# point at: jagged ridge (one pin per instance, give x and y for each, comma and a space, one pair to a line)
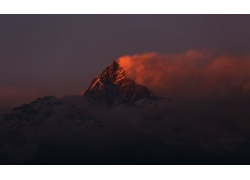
30, 114
113, 87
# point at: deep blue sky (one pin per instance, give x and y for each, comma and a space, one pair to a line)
61, 54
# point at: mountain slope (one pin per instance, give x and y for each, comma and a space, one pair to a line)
48, 111
71, 130
113, 87
29, 115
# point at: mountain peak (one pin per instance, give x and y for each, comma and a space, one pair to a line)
114, 63
113, 87
113, 73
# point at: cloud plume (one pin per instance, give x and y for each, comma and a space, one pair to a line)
195, 73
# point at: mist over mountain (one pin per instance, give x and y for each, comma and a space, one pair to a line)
117, 121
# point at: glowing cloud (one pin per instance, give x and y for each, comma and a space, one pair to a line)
193, 73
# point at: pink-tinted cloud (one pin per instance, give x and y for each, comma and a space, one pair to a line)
193, 73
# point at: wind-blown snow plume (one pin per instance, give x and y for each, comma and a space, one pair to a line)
194, 73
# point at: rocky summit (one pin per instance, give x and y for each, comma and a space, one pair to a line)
113, 87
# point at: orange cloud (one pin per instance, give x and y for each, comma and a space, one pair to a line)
189, 74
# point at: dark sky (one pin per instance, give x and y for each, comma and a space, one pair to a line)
60, 54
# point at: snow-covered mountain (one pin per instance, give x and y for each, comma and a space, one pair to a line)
49, 111
136, 127
113, 87
29, 115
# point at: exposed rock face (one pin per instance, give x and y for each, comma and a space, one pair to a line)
113, 87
